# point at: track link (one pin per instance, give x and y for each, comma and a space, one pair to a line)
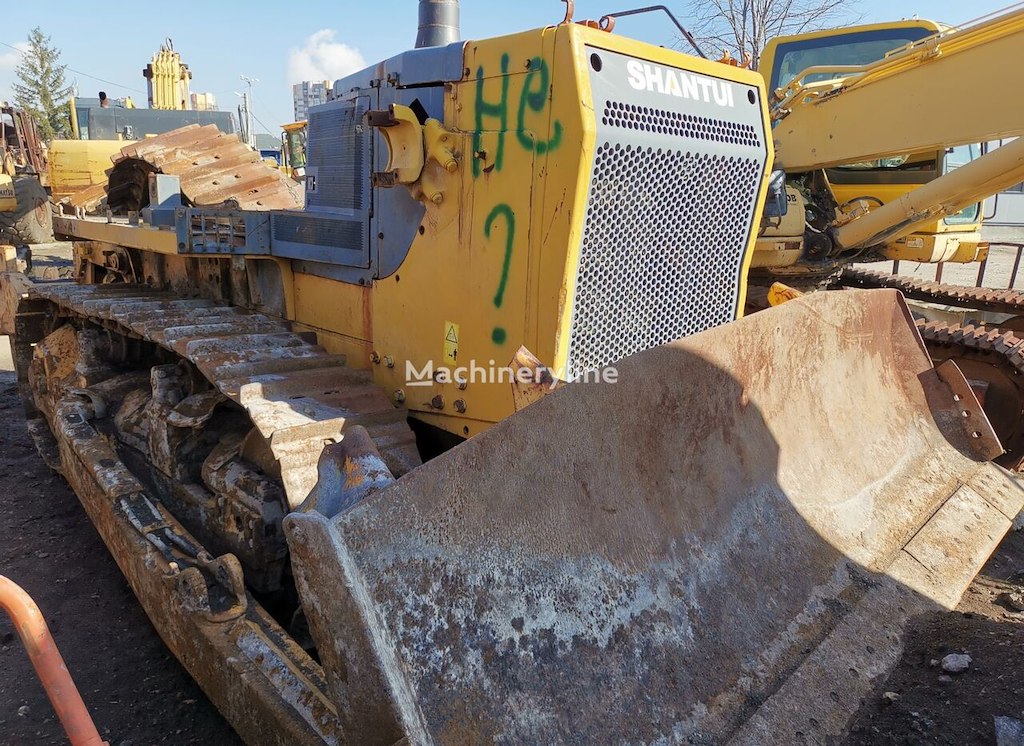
297, 395
963, 296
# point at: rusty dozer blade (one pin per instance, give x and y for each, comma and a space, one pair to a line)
724, 545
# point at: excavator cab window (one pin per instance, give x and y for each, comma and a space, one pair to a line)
954, 158
855, 48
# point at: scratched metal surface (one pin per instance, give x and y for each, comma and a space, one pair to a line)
654, 559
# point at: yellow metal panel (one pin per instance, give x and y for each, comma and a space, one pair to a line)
120, 234
8, 199
498, 258
962, 247
339, 307
78, 164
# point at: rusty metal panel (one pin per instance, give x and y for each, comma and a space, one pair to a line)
683, 554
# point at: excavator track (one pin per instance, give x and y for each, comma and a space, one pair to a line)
296, 394
992, 358
963, 296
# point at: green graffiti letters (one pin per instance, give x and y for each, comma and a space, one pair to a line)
488, 109
535, 97
502, 211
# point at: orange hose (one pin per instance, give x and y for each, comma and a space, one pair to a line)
49, 665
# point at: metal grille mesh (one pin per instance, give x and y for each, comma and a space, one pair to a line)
662, 250
337, 148
678, 124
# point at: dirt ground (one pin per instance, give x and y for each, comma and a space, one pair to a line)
922, 704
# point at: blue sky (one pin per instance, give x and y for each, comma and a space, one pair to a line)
279, 41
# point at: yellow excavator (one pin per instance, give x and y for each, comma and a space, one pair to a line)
355, 521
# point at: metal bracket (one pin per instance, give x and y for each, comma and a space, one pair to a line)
404, 135
983, 438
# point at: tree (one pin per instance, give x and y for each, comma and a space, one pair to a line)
43, 91
742, 27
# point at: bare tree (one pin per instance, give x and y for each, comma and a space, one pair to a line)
742, 27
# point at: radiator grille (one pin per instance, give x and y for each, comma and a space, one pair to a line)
339, 149
662, 250
678, 124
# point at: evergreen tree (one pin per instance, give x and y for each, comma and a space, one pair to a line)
43, 91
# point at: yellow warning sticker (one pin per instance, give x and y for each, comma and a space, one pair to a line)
451, 342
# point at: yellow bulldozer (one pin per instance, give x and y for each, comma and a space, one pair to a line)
476, 446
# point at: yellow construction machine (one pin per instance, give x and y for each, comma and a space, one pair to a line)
293, 148
24, 203
355, 521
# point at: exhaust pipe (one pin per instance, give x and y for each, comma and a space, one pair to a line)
439, 23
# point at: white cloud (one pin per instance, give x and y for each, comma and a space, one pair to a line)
322, 58
9, 58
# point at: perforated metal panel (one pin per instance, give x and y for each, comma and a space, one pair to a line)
338, 148
669, 213
678, 124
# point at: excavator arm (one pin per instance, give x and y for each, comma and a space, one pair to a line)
897, 106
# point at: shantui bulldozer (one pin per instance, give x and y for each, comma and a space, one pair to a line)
355, 521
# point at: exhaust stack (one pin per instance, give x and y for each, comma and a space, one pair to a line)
439, 23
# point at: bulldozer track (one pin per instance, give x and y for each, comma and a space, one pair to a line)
212, 167
982, 299
297, 395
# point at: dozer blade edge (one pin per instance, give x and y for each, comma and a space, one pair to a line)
723, 545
